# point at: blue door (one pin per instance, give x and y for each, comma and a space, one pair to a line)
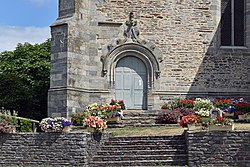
131, 82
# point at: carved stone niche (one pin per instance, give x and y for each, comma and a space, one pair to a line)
215, 112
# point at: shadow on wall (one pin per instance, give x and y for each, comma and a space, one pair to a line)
224, 72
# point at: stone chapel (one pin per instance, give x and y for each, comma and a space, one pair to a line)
148, 51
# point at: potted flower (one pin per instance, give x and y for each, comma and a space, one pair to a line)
58, 124
77, 118
94, 124
221, 123
118, 103
7, 123
186, 103
167, 116
202, 107
243, 109
114, 110
226, 106
191, 122
113, 113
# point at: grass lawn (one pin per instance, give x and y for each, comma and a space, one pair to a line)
157, 131
161, 130
146, 131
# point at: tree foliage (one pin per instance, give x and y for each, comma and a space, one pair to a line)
24, 79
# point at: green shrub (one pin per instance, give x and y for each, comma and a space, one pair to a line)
25, 126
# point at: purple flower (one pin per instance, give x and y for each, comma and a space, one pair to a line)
66, 123
231, 109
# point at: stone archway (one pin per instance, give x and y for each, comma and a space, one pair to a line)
147, 55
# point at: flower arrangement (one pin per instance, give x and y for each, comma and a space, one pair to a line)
203, 112
174, 104
202, 107
118, 103
112, 111
189, 119
7, 124
95, 122
205, 122
77, 118
187, 111
7, 121
243, 107
54, 124
168, 116
186, 103
226, 105
171, 105
94, 109
221, 104
104, 111
220, 121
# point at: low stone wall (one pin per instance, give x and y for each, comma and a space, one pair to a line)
219, 148
49, 149
76, 149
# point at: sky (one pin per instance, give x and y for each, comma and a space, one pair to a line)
25, 21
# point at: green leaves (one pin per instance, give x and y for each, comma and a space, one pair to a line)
24, 79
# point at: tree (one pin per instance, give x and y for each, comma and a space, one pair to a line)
24, 79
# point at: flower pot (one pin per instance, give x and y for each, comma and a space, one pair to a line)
66, 129
113, 119
227, 114
9, 130
192, 127
53, 130
50, 130
221, 128
244, 117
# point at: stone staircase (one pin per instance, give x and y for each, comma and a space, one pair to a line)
142, 151
138, 118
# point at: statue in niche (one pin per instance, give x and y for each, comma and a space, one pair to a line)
131, 33
215, 112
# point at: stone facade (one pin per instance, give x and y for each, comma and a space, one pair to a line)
178, 40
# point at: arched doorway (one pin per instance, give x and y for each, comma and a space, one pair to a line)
131, 82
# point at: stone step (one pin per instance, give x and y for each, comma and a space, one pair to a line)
143, 114
144, 142
133, 121
136, 113
147, 138
142, 147
162, 162
138, 118
143, 152
139, 157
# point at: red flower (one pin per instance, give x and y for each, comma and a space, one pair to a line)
189, 119
219, 119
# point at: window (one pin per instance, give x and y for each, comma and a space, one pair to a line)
232, 22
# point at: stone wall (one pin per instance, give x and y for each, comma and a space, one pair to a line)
218, 148
49, 149
77, 149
